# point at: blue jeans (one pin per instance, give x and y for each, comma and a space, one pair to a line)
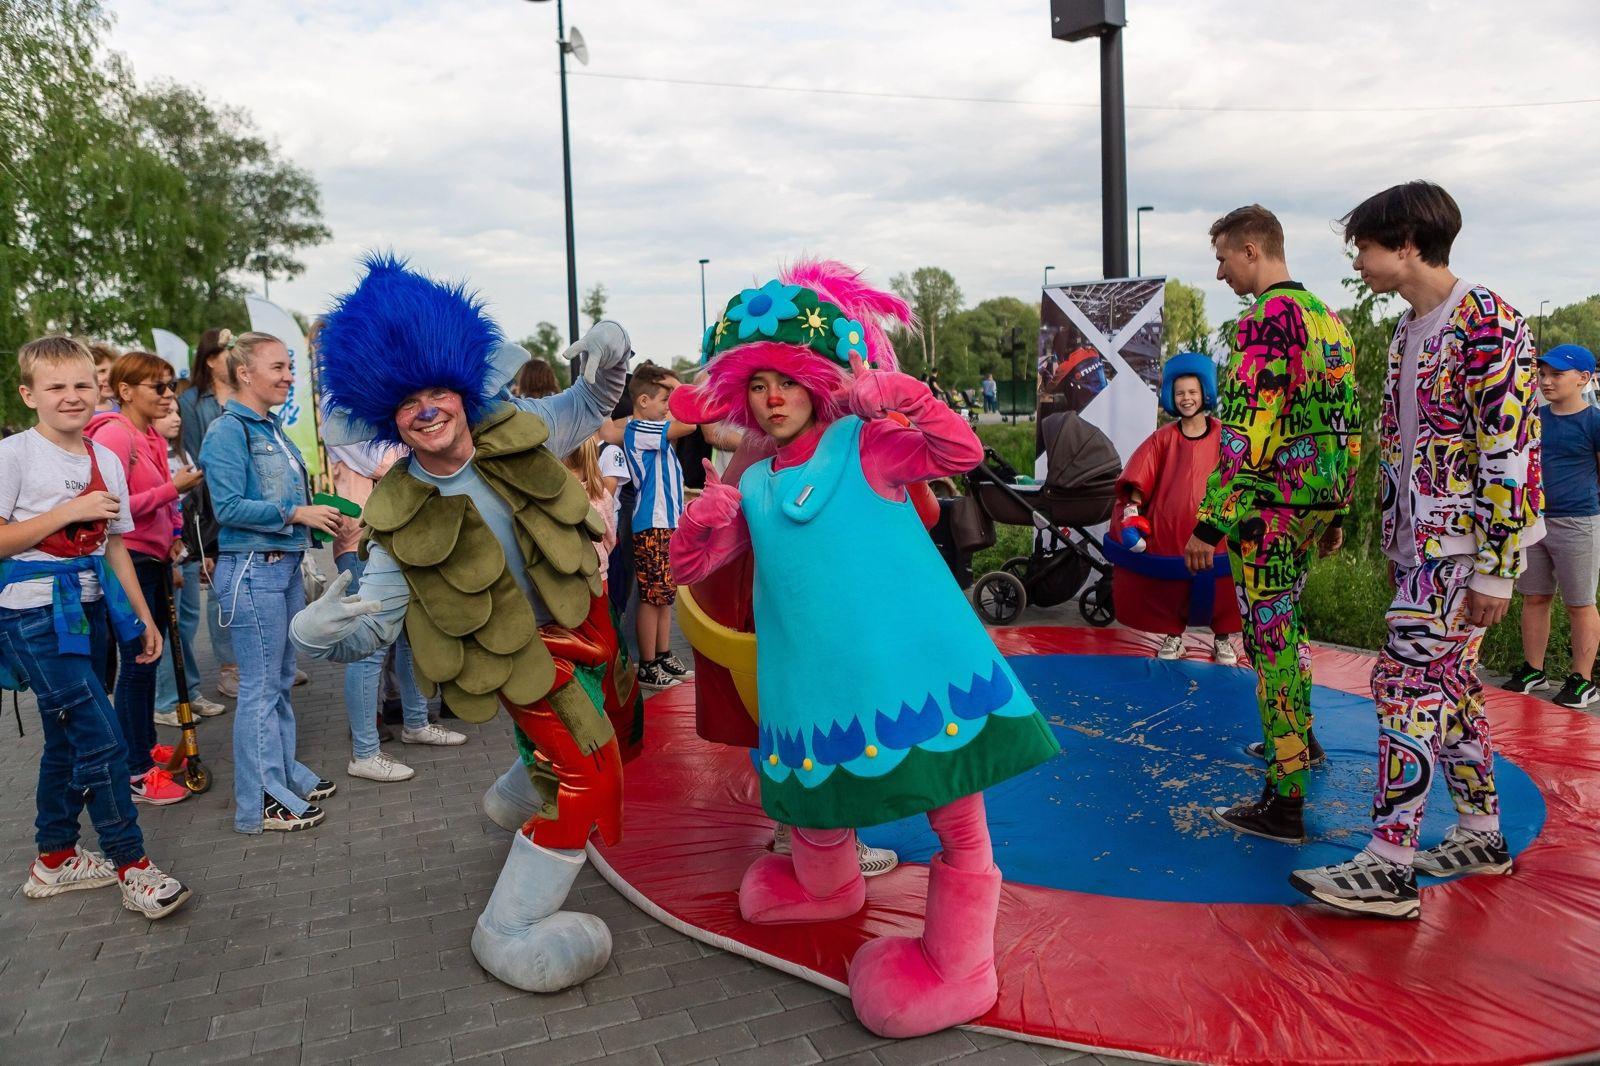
363, 680
135, 695
188, 625
83, 763
258, 599
221, 639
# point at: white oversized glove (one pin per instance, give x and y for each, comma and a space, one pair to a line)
332, 616
604, 348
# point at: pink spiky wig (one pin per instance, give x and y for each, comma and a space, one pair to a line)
788, 326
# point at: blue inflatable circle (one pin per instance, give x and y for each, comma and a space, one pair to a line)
1147, 746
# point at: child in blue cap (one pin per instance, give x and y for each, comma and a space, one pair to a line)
1568, 558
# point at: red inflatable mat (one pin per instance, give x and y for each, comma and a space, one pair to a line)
1498, 970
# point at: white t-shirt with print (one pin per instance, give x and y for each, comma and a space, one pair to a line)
614, 464
37, 476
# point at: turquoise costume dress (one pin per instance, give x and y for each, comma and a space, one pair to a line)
881, 694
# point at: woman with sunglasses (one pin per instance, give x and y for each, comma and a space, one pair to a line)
142, 384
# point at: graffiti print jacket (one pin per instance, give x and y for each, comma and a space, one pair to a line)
1291, 426
1474, 476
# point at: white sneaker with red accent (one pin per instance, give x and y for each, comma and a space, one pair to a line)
148, 891
157, 788
86, 869
434, 734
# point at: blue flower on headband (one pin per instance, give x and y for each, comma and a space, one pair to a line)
852, 338
760, 310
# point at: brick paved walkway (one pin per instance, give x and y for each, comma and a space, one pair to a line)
350, 941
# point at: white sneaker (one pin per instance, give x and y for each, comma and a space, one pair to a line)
167, 718
301, 677
206, 708
228, 682
1224, 653
431, 733
148, 891
1171, 648
86, 869
380, 767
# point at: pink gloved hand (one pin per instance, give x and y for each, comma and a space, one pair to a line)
719, 502
877, 394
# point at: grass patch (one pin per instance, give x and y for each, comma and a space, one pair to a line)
1008, 541
1013, 441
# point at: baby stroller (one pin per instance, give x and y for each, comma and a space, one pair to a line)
1080, 484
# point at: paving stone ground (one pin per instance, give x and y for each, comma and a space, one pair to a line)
349, 942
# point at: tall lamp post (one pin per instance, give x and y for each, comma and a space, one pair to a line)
1538, 337
1138, 240
1077, 20
1047, 270
703, 322
576, 46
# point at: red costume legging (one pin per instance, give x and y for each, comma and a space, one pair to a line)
588, 787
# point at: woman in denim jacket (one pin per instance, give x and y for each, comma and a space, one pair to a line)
260, 496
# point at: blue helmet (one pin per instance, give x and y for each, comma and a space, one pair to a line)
1186, 364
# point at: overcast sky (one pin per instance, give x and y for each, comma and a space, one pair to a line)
433, 127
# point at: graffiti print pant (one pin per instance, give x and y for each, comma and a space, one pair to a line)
1270, 552
1430, 703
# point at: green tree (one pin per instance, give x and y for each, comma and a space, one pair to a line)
594, 303
934, 296
972, 339
1183, 320
1371, 321
1577, 323
545, 343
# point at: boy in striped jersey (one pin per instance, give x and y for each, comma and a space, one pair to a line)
658, 503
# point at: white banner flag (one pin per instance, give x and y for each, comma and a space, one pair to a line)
174, 349
299, 420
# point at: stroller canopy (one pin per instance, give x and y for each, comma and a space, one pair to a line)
1078, 456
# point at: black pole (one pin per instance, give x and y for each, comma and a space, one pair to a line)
566, 170
1113, 157
703, 322
1138, 244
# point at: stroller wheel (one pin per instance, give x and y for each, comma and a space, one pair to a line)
999, 598
1017, 566
1095, 604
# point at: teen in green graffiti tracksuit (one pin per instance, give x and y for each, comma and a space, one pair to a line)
1290, 438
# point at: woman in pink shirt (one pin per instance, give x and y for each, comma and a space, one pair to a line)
142, 384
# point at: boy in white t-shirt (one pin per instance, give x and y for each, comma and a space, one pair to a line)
63, 510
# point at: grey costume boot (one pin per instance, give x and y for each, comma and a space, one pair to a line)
524, 938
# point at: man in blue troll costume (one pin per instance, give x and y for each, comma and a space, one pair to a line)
481, 545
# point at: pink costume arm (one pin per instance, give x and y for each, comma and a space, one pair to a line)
711, 534
937, 443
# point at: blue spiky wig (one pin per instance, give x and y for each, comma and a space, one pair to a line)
397, 332
1189, 364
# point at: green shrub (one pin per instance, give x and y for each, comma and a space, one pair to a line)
1013, 441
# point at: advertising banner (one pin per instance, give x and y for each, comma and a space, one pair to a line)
299, 411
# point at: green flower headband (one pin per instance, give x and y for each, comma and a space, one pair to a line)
787, 314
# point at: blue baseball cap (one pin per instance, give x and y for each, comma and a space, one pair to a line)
1569, 357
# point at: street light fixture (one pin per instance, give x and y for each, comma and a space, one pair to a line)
1138, 240
575, 44
1047, 275
1078, 20
703, 322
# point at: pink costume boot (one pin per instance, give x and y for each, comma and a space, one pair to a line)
819, 882
911, 986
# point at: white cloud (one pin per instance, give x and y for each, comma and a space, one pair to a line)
434, 128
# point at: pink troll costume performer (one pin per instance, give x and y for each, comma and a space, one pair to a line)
881, 695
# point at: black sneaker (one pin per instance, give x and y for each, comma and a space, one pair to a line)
653, 675
275, 817
1526, 679
1368, 884
1273, 816
1466, 851
1577, 692
674, 666
323, 790
1258, 750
